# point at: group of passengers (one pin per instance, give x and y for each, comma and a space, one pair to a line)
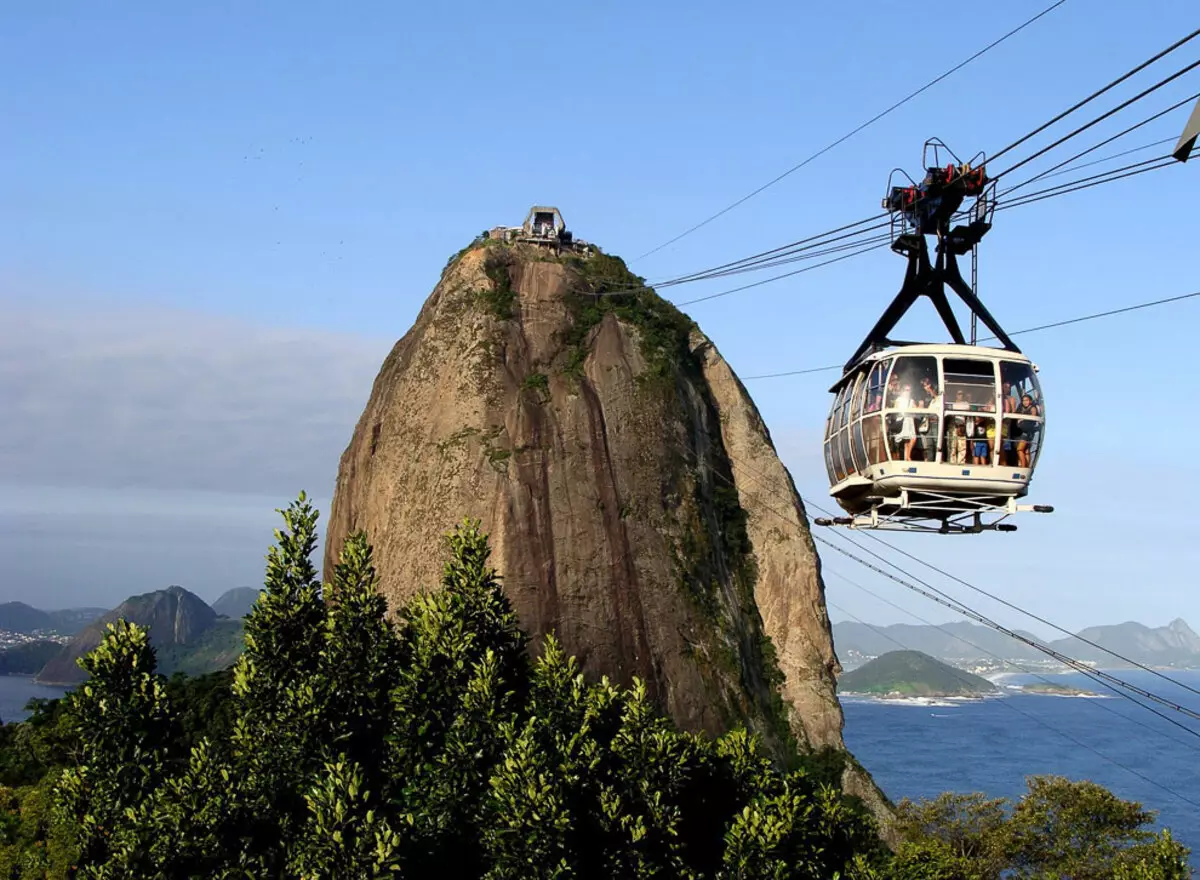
969, 439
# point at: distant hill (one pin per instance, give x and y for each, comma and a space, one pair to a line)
236, 603
912, 674
70, 621
950, 641
27, 658
21, 618
183, 629
1172, 645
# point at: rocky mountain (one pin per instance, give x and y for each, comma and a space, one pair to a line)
636, 505
960, 640
1175, 644
21, 618
913, 674
1172, 645
175, 617
236, 603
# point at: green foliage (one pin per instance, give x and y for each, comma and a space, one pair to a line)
124, 726
33, 844
538, 383
664, 330
28, 658
1059, 828
346, 744
352, 746
499, 298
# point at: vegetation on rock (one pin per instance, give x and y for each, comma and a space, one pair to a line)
27, 658
913, 674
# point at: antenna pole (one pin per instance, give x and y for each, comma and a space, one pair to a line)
974, 286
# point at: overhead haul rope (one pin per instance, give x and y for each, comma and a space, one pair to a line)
1050, 171
957, 605
931, 592
1024, 138
1039, 195
846, 137
1029, 715
1114, 654
993, 655
1050, 326
801, 533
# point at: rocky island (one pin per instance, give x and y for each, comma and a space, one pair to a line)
899, 674
1054, 689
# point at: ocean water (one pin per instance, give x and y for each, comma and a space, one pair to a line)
919, 750
17, 690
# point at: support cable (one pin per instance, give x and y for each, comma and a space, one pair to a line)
1042, 722
846, 137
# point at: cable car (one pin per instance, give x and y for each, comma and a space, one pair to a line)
934, 437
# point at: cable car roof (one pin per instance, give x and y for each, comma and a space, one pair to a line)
933, 349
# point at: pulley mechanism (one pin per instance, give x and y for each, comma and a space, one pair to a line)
930, 208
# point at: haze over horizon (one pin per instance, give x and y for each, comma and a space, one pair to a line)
219, 220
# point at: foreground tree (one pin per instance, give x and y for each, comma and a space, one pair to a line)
352, 746
362, 748
1059, 828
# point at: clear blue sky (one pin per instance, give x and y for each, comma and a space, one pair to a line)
215, 220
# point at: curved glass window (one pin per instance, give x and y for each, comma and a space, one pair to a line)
844, 401
872, 431
829, 462
831, 421
911, 428
1017, 382
970, 385
875, 386
1022, 436
860, 395
843, 441
858, 446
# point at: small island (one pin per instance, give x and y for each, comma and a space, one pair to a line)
900, 674
1050, 688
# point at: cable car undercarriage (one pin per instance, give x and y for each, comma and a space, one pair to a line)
935, 438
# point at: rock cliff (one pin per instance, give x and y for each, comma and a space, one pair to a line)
184, 631
635, 502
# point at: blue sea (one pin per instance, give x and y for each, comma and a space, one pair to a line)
919, 750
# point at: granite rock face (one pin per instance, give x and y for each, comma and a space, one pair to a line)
636, 505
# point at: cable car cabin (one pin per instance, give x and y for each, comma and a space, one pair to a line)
934, 433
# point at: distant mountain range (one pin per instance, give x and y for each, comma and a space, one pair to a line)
236, 603
18, 617
1174, 645
188, 635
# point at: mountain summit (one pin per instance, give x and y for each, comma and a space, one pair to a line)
183, 629
636, 505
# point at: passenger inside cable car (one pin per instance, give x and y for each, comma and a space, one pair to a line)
949, 409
